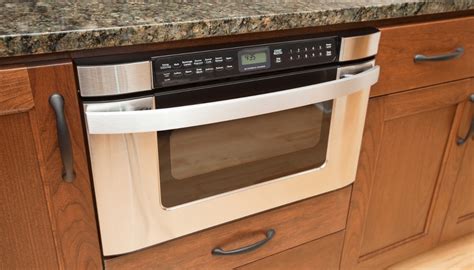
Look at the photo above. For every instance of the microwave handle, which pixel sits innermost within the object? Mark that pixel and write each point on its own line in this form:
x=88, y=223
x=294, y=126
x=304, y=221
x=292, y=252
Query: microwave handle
x=118, y=122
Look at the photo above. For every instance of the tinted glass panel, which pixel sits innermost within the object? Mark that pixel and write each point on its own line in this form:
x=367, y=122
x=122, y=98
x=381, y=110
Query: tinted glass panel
x=200, y=162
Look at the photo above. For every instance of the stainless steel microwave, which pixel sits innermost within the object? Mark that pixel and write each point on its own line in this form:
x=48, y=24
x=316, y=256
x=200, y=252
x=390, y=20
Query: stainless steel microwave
x=184, y=141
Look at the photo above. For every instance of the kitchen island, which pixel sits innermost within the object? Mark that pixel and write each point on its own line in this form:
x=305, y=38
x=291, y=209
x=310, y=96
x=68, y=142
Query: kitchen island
x=413, y=188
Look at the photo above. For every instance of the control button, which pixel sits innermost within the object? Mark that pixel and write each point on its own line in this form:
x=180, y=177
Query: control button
x=278, y=59
x=313, y=55
x=229, y=67
x=278, y=51
x=166, y=74
x=187, y=63
x=320, y=47
x=218, y=59
x=291, y=58
x=164, y=66
x=305, y=49
x=176, y=65
x=199, y=71
x=209, y=69
x=208, y=61
x=188, y=72
x=298, y=57
x=219, y=68
x=177, y=74
x=298, y=50
x=328, y=45
x=290, y=51
x=306, y=56
x=328, y=53
x=198, y=62
x=166, y=80
x=320, y=54
x=313, y=48
x=229, y=58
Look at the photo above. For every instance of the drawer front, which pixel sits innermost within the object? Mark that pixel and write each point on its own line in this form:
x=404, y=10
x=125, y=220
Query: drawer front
x=294, y=225
x=324, y=254
x=400, y=44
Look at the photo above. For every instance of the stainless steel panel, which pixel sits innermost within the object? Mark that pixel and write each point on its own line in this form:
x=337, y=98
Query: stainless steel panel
x=220, y=111
x=359, y=47
x=109, y=80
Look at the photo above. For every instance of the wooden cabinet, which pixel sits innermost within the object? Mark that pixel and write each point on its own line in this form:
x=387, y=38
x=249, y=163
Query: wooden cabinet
x=398, y=203
x=320, y=254
x=399, y=45
x=460, y=179
x=47, y=223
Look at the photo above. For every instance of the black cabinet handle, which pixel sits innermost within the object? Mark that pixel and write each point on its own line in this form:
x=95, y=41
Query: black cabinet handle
x=470, y=132
x=64, y=139
x=443, y=57
x=268, y=236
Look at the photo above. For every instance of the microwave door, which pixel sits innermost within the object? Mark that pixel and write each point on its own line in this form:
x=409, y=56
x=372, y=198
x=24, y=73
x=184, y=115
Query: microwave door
x=229, y=158
x=145, y=120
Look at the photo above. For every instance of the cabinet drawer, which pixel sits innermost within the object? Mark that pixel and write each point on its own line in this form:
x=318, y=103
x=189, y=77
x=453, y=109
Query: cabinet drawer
x=323, y=254
x=294, y=225
x=399, y=45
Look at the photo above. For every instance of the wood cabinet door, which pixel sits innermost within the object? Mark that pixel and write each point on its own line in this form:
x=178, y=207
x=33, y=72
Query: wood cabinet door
x=47, y=223
x=398, y=205
x=460, y=179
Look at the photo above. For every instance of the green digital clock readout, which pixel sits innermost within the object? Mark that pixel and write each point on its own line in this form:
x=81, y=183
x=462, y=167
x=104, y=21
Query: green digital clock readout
x=253, y=58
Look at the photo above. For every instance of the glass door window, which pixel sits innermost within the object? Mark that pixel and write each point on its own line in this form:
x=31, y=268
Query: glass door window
x=204, y=161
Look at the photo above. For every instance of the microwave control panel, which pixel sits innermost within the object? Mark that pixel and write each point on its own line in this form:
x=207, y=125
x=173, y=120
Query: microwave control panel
x=199, y=66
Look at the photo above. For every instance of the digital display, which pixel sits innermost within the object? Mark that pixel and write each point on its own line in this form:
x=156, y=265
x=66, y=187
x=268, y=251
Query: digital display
x=252, y=58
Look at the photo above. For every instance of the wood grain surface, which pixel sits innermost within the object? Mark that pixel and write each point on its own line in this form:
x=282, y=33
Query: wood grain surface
x=71, y=204
x=15, y=91
x=399, y=45
x=25, y=229
x=399, y=202
x=321, y=254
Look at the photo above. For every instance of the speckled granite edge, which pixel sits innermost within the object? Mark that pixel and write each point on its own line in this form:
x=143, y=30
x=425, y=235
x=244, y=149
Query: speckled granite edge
x=61, y=41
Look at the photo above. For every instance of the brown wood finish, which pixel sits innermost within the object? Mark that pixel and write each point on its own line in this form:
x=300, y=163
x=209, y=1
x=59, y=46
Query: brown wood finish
x=397, y=208
x=294, y=225
x=460, y=181
x=321, y=254
x=15, y=91
x=70, y=204
x=399, y=44
x=25, y=230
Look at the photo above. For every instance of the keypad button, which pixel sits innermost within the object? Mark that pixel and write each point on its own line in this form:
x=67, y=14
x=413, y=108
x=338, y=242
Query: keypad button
x=177, y=74
x=278, y=60
x=208, y=61
x=209, y=70
x=290, y=51
x=298, y=56
x=176, y=64
x=277, y=51
x=328, y=53
x=229, y=58
x=198, y=62
x=188, y=72
x=229, y=67
x=291, y=58
x=199, y=71
x=328, y=45
x=165, y=66
x=187, y=63
x=219, y=68
x=313, y=55
x=306, y=56
x=218, y=59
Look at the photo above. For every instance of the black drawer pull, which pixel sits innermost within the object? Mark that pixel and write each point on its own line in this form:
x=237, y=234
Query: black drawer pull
x=470, y=132
x=443, y=57
x=57, y=102
x=268, y=236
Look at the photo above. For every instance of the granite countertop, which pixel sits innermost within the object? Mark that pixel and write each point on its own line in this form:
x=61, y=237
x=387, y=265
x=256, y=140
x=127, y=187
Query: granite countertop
x=36, y=27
